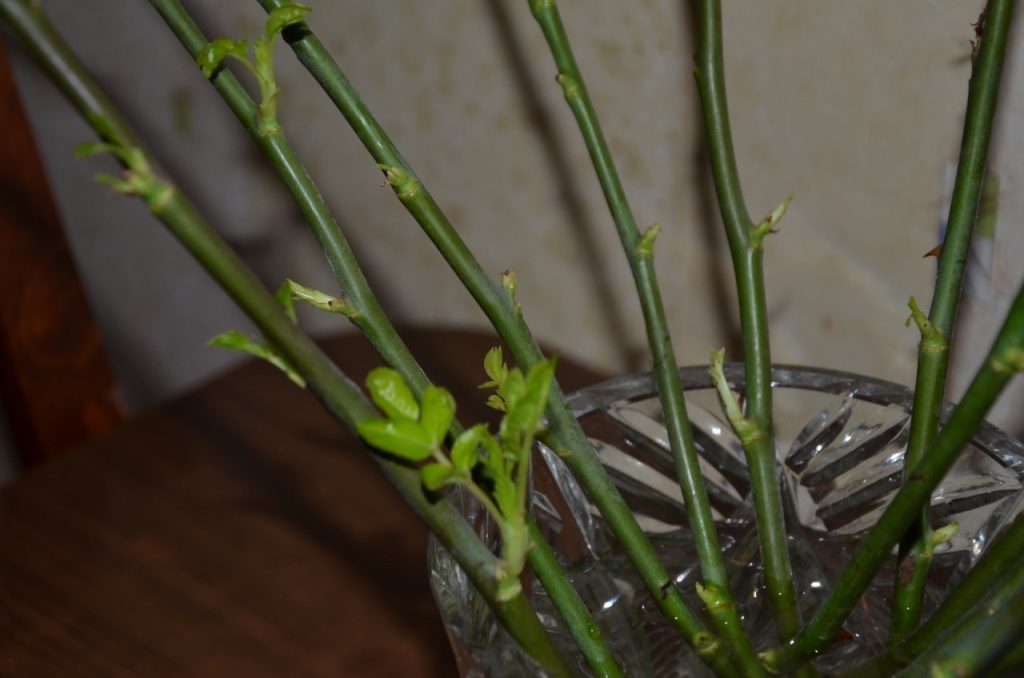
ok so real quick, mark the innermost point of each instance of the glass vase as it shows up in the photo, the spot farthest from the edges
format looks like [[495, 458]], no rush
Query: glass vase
[[840, 440]]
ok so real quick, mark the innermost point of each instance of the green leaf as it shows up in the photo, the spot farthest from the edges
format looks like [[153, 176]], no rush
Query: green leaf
[[436, 476], [729, 403], [237, 341], [496, 402], [117, 184], [87, 148], [284, 16], [392, 395], [210, 56], [505, 496], [528, 409], [437, 410], [403, 438], [512, 388], [284, 297], [320, 300], [131, 157], [494, 460], [278, 361], [464, 450], [495, 367]]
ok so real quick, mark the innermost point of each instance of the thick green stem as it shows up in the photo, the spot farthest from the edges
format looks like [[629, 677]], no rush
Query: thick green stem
[[873, 550], [1012, 662], [639, 253], [1000, 559], [746, 246], [340, 396], [583, 628], [981, 639], [933, 354], [566, 435]]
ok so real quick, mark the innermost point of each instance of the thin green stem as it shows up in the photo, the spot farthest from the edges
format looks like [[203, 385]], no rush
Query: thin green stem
[[1001, 558], [933, 354], [368, 315], [338, 394], [565, 434], [873, 550], [745, 244], [344, 400], [483, 498], [639, 253]]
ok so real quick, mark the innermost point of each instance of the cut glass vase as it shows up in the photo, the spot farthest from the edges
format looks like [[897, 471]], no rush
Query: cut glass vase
[[840, 440]]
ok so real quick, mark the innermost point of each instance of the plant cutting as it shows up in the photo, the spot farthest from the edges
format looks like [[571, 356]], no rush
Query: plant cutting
[[411, 426]]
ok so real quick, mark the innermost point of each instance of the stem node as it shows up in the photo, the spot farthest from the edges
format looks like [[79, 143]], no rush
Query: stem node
[[1010, 361], [645, 243], [767, 226], [932, 338], [405, 186], [570, 86]]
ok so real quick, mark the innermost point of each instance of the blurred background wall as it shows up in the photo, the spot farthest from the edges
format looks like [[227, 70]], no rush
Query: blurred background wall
[[854, 107]]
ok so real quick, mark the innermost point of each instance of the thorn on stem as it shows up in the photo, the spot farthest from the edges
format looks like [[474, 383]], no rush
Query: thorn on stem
[[979, 32]]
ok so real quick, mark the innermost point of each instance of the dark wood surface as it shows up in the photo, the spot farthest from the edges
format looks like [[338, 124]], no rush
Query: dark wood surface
[[234, 532], [56, 385]]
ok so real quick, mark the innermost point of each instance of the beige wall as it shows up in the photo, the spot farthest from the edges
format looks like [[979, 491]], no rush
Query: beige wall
[[855, 107]]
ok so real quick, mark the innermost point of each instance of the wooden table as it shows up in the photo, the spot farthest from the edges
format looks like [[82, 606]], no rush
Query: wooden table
[[234, 532]]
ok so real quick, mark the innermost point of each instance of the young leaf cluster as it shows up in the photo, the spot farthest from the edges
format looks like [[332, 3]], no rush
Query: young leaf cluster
[[494, 468], [211, 57], [138, 177]]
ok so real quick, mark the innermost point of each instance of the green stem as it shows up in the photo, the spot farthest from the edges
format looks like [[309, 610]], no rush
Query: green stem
[[745, 244], [1012, 662], [566, 435], [905, 507], [583, 628], [343, 399], [639, 253], [367, 314], [933, 354], [981, 639], [339, 395], [1002, 557]]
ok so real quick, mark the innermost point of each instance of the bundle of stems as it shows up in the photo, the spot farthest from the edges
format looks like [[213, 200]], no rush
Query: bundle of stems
[[419, 423]]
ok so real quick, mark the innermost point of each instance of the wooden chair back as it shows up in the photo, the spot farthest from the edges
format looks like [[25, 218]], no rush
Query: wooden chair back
[[56, 385]]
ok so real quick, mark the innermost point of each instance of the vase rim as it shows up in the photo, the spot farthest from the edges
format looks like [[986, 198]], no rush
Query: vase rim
[[823, 380]]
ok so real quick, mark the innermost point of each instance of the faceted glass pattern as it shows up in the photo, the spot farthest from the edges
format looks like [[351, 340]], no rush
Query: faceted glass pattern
[[840, 439]]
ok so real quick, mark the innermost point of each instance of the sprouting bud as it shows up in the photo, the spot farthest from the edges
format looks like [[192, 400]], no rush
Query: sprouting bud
[[645, 244]]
